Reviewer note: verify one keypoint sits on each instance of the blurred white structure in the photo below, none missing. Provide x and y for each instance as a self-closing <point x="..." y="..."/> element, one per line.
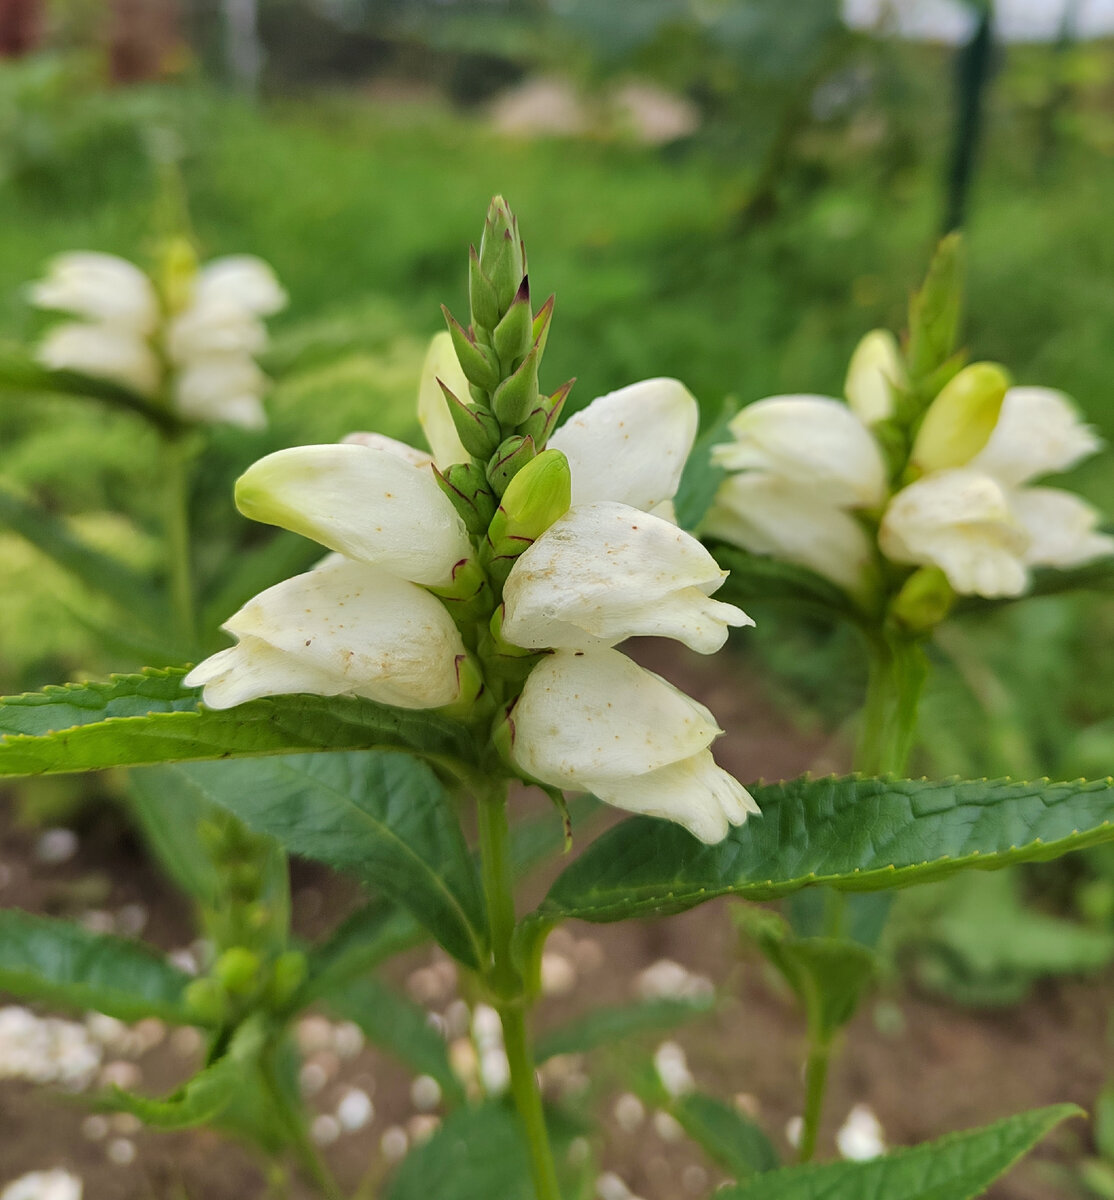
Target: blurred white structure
<point x="953" y="22"/>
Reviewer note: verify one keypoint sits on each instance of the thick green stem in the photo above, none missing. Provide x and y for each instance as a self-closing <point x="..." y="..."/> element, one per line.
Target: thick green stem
<point x="178" y="557"/>
<point x="506" y="982"/>
<point x="300" y="1142"/>
<point x="816" y="1082"/>
<point x="896" y="675"/>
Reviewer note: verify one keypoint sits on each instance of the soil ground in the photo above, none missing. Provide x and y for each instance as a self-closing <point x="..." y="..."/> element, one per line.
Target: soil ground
<point x="924" y="1065"/>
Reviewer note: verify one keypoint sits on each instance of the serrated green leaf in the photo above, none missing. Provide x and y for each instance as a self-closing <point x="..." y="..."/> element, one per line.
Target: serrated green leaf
<point x="476" y="1152"/>
<point x="134" y="720"/>
<point x="43" y="958"/>
<point x="848" y="833"/>
<point x="604" y="1026"/>
<point x="129" y="589"/>
<point x="730" y="1139"/>
<point x="382" y="816"/>
<point x="957" y="1167"/>
<point x="759" y="579"/>
<point x="200" y="1099"/>
<point x="398" y="1026"/>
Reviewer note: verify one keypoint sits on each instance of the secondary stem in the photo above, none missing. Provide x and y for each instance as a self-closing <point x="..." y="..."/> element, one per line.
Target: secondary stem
<point x="178" y="557"/>
<point x="816" y="1082"/>
<point x="506" y="982"/>
<point x="896" y="673"/>
<point x="303" y="1147"/>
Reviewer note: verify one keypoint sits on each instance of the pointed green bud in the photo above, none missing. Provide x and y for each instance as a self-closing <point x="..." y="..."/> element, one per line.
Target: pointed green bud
<point x="502" y="738"/>
<point x="505" y="661"/>
<point x="543" y="420"/>
<point x="476" y="361"/>
<point x="287" y="976"/>
<point x="177" y="270"/>
<point x="517" y="397"/>
<point x="477" y="429"/>
<point x="959" y="422"/>
<point x="508" y="460"/>
<point x="934" y="311"/>
<point x="537" y="496"/>
<point x="502" y="254"/>
<point x="467" y="596"/>
<point x="513" y="335"/>
<point x="925" y="599"/>
<point x="540" y="330"/>
<point x="481" y="295"/>
<point x="466" y="486"/>
<point x="206" y="1002"/>
<point x="237" y="970"/>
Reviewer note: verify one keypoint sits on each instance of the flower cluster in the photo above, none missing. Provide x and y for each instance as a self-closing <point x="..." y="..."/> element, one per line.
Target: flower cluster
<point x="190" y="343"/>
<point x="498" y="572"/>
<point x="815" y="481"/>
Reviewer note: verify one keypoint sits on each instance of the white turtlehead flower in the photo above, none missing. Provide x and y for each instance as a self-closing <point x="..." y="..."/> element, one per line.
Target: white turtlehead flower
<point x="592" y="720"/>
<point x="961" y="521"/>
<point x="873" y="374"/>
<point x="1062" y="528"/>
<point x="344" y="628"/>
<point x="605" y="572"/>
<point x="200" y="358"/>
<point x="814" y="442"/>
<point x="768" y="515"/>
<point x="57" y="1184"/>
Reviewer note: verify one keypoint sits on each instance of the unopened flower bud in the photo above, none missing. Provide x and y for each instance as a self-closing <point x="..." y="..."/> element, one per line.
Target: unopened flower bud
<point x="924" y="601"/>
<point x="959" y="422"/>
<point x="466" y="486"/>
<point x="517" y="396"/>
<point x="543" y="420"/>
<point x="466" y="595"/>
<point x="476" y="361"/>
<point x="206" y="1001"/>
<point x="477" y="429"/>
<point x="287" y="975"/>
<point x="873" y="373"/>
<point x="513" y="336"/>
<point x="481" y="294"/>
<point x="536" y="497"/>
<point x="176" y="273"/>
<point x="237" y="970"/>
<point x="511" y="456"/>
<point x="502" y="254"/>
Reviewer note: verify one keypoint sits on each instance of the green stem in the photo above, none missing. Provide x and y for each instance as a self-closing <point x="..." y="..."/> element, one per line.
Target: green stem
<point x="816" y="1082"/>
<point x="897" y="668"/>
<point x="178" y="557"/>
<point x="305" y="1151"/>
<point x="507" y="984"/>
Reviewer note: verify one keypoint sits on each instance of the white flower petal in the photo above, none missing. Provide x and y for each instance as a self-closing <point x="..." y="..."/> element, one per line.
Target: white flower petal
<point x="56" y="1184"/>
<point x="596" y="715"/>
<point x="813" y="441"/>
<point x="604" y="572"/>
<point x="243" y="280"/>
<point x="363" y="501"/>
<point x="1038" y="432"/>
<point x="216" y="327"/>
<point x="102" y="352"/>
<point x="343" y="628"/>
<point x="694" y="792"/>
<point x="225" y="389"/>
<point x="433" y="409"/>
<point x="100" y="287"/>
<point x="961" y="521"/>
<point x="630" y="445"/>
<point x="1062" y="528"/>
<point x="873" y="373"/>
<point x="380" y="441"/>
<point x="767" y="515"/>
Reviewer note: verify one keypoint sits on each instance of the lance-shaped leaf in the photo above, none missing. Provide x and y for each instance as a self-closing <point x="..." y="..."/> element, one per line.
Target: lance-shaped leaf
<point x="755" y="579"/>
<point x="43" y="958"/>
<point x="728" y="1137"/>
<point x="201" y="1098"/>
<point x="134" y="720"/>
<point x="854" y="834"/>
<point x="605" y="1026"/>
<point x="368" y="937"/>
<point x="400" y="1027"/>
<point x="383" y="817"/>
<point x="958" y="1167"/>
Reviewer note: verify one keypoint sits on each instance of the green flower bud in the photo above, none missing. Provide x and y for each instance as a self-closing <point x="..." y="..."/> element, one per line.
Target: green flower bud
<point x="481" y="294"/>
<point x="467" y="595"/>
<point x="471" y="684"/>
<point x="934" y="311"/>
<point x="237" y="970"/>
<point x="517" y="396"/>
<point x="177" y="270"/>
<point x="959" y="422"/>
<point x="477" y="362"/>
<point x="287" y="976"/>
<point x="924" y="601"/>
<point x="513" y="336"/>
<point x="466" y="486"/>
<point x="511" y="456"/>
<point x="540" y="329"/>
<point x="541" y="422"/>
<point x="206" y="1002"/>
<point x="536" y="497"/>
<point x="477" y="429"/>
<point x="502" y="253"/>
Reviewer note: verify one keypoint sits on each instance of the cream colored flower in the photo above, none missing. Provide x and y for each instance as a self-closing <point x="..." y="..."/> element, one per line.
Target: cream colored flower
<point x="874" y="373"/>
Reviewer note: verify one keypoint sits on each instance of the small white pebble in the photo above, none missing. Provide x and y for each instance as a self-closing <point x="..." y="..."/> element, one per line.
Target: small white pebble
<point x="748" y="1104"/>
<point x="425" y="1093"/>
<point x="131" y="919"/>
<point x="487" y="1029"/>
<point x="325" y="1130"/>
<point x="44" y="1185"/>
<point x="184" y="959"/>
<point x="106" y="1030"/>
<point x="186" y="1042"/>
<point x="694" y="1179"/>
<point x="610" y="1187"/>
<point x="667" y="1127"/>
<point x="327" y="1061"/>
<point x="560" y="941"/>
<point x="794" y="1127"/>
<point x="463" y="1060"/>
<point x="421" y="1128"/>
<point x="95" y="1127"/>
<point x="96" y="920"/>
<point x="579" y="1151"/>
<point x="458" y="1019"/>
<point x="121" y="1151"/>
<point x="437" y="1021"/>
<point x="56" y="846"/>
<point x="394" y="1143"/>
<point x="348" y="1039"/>
<point x="495" y="1071"/>
<point x="312" y="1078"/>
<point x="673" y="1070"/>
<point x="355" y="1110"/>
<point x="425" y="986"/>
<point x="126" y="1123"/>
<point x="629" y="1112"/>
<point x="149" y="1033"/>
<point x="588" y="955"/>
<point x="861" y="1136"/>
<point x="314" y="1033"/>
<point x="5" y="875"/>
<point x="558" y="975"/>
<point x="119" y="1074"/>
